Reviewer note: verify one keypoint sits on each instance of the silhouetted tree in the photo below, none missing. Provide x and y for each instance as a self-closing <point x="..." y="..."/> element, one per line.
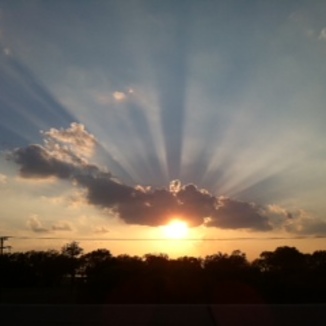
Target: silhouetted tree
<point x="285" y="260"/>
<point x="317" y="261"/>
<point x="95" y="260"/>
<point x="282" y="275"/>
<point x="226" y="266"/>
<point x="47" y="266"/>
<point x="71" y="251"/>
<point x="185" y="280"/>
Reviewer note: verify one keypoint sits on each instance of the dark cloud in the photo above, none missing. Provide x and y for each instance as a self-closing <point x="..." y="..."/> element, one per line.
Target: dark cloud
<point x="151" y="207"/>
<point x="103" y="190"/>
<point x="195" y="203"/>
<point x="147" y="206"/>
<point x="136" y="205"/>
<point x="62" y="155"/>
<point x="233" y="214"/>
<point x="36" y="162"/>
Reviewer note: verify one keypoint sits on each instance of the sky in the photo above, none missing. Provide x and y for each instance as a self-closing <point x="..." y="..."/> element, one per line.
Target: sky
<point x="118" y="117"/>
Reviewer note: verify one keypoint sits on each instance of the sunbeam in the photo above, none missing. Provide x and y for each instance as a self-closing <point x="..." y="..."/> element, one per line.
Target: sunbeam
<point x="21" y="92"/>
<point x="133" y="112"/>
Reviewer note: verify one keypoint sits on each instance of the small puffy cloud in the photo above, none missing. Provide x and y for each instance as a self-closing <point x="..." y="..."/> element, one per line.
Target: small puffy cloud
<point x="322" y="34"/>
<point x="119" y="96"/>
<point x="61" y="226"/>
<point x="106" y="98"/>
<point x="7" y="51"/>
<point x="35" y="225"/>
<point x="3" y="179"/>
<point x="101" y="229"/>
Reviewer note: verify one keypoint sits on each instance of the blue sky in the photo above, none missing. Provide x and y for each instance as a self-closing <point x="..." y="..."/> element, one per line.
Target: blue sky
<point x="225" y="95"/>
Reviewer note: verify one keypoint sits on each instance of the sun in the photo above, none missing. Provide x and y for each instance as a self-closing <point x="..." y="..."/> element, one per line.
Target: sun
<point x="176" y="229"/>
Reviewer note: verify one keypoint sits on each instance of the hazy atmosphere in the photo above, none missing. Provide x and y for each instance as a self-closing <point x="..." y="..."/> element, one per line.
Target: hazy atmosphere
<point x="183" y="127"/>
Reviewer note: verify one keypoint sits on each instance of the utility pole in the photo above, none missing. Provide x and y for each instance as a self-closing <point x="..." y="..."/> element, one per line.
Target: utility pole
<point x="2" y="246"/>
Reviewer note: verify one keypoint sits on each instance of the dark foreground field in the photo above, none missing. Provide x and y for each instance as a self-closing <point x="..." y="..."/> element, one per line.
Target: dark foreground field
<point x="210" y="315"/>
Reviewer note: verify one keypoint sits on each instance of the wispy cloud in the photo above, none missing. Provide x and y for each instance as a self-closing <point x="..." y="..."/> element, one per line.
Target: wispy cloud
<point x="3" y="179"/>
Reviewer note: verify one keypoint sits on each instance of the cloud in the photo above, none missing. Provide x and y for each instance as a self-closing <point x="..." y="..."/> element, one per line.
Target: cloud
<point x="147" y="206"/>
<point x="304" y="223"/>
<point x="101" y="229"/>
<point x="234" y="214"/>
<point x="105" y="98"/>
<point x="3" y="179"/>
<point x="322" y="34"/>
<point x="35" y="225"/>
<point x="153" y="207"/>
<point x="278" y="215"/>
<point x="81" y="141"/>
<point x="63" y="154"/>
<point x="278" y="210"/>
<point x="143" y="205"/>
<point x="7" y="51"/>
<point x="61" y="226"/>
<point x="119" y="96"/>
<point x="37" y="162"/>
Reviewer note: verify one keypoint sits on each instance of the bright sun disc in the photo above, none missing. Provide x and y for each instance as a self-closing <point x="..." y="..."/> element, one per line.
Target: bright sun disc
<point x="176" y="229"/>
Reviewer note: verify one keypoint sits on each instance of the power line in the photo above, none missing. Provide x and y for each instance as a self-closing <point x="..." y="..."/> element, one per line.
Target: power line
<point x="170" y="239"/>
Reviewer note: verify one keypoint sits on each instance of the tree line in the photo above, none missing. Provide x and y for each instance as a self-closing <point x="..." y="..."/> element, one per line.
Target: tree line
<point x="284" y="275"/>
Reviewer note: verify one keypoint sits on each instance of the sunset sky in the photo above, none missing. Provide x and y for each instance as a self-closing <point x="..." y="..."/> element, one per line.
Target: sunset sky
<point x="118" y="117"/>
